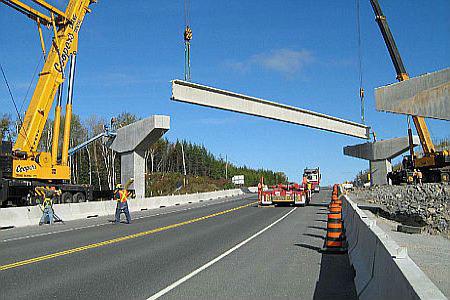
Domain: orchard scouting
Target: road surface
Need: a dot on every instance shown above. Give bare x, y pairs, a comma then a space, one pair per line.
220, 249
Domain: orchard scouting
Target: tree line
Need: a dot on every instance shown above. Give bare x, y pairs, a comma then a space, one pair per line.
98, 165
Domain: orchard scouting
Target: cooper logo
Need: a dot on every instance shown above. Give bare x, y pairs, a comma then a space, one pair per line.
65, 53
25, 169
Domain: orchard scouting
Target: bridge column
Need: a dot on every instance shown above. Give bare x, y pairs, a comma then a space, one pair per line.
379, 170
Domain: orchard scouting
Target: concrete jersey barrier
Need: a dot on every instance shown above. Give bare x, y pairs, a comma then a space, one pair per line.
30, 215
383, 268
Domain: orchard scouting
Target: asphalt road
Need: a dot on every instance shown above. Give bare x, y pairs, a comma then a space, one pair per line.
220, 249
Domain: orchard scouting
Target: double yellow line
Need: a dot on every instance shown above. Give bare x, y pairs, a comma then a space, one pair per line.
116, 240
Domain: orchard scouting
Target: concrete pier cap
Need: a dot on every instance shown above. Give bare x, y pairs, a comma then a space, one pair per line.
131, 143
379, 155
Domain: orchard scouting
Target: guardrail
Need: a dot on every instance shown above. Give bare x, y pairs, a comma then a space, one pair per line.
383, 268
30, 215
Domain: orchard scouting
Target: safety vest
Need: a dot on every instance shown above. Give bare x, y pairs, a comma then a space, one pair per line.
48, 202
122, 196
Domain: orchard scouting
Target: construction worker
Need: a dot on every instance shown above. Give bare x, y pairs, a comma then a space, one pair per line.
48, 214
308, 185
414, 176
121, 195
308, 190
304, 181
419, 177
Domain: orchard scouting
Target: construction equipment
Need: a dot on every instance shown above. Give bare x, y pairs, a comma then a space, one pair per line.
313, 176
290, 194
434, 165
108, 132
23, 166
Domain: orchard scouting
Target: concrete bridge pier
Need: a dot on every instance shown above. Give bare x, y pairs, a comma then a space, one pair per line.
131, 143
379, 170
379, 154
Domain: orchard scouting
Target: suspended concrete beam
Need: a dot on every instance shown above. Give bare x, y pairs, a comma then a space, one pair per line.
193, 93
131, 142
379, 155
425, 96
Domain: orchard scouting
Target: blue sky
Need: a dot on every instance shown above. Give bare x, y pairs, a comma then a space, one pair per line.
302, 53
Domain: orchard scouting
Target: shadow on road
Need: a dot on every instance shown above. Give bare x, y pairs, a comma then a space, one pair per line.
336, 273
318, 249
335, 278
317, 227
314, 235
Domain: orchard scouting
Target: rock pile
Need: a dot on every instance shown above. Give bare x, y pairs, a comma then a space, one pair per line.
417, 205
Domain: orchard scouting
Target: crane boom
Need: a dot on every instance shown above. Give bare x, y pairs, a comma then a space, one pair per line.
28, 11
64, 45
419, 122
22, 166
27, 162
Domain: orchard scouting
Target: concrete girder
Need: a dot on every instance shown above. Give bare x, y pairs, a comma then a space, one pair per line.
131, 142
193, 93
426, 96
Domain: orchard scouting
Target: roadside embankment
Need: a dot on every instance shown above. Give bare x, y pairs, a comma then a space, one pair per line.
416, 205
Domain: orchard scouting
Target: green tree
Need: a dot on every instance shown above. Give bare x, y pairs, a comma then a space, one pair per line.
6, 127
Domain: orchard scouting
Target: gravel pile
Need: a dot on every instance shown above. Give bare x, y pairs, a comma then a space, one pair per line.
421, 205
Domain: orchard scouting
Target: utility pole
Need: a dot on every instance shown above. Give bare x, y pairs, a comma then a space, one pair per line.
226, 167
184, 165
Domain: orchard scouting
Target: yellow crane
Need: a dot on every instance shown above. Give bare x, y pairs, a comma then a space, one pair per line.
27, 162
435, 165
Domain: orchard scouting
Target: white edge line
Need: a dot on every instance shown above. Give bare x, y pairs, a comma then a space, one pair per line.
218, 258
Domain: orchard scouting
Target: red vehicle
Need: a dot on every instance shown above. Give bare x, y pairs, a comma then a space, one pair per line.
313, 176
283, 194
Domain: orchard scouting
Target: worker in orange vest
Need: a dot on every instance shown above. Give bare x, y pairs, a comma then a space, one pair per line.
121, 195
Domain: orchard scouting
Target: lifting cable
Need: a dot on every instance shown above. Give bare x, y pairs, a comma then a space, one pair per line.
19, 110
31, 82
14, 103
10, 93
187, 41
361, 89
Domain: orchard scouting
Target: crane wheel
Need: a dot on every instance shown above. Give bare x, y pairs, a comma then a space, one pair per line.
79, 197
445, 177
66, 197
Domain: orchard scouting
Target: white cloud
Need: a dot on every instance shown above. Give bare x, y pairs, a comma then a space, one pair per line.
285, 61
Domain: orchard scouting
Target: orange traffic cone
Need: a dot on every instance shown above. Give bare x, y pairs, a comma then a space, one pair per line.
335, 241
335, 208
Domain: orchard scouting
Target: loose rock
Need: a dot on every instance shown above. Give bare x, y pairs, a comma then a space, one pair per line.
416, 205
